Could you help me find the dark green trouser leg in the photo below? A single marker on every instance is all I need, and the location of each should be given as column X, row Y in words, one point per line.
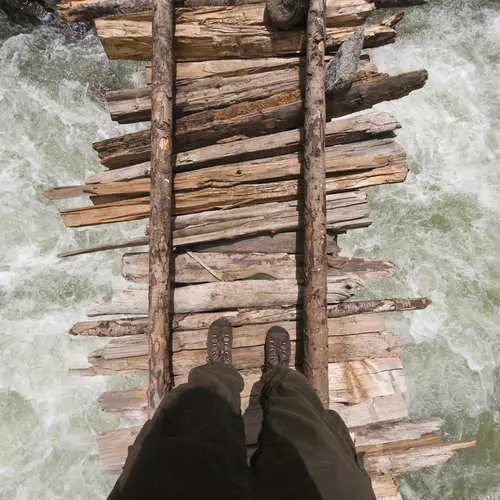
column 194, row 446
column 304, row 452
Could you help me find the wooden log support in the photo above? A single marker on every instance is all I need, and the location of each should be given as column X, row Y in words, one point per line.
column 276, row 114
column 315, row 338
column 161, row 203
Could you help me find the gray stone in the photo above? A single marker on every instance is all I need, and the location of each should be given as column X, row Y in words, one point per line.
column 341, row 70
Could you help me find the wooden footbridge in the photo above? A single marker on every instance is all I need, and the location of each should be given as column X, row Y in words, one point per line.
column 245, row 215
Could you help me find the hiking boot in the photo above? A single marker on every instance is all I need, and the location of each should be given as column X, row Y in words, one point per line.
column 277, row 348
column 220, row 342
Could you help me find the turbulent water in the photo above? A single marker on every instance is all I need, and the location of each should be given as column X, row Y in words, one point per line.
column 440, row 227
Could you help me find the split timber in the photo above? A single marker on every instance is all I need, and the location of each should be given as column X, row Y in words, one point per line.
column 238, row 190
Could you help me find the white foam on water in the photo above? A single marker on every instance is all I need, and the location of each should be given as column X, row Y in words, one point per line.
column 50, row 112
column 441, row 229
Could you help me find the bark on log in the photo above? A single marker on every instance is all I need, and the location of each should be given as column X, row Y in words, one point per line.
column 315, row 337
column 201, row 94
column 208, row 267
column 123, row 39
column 161, row 203
column 281, row 112
column 226, row 295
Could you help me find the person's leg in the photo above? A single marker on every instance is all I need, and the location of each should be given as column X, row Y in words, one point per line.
column 304, row 451
column 194, row 446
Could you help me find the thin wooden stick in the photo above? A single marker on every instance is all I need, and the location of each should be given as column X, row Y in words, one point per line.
column 315, row 256
column 162, row 166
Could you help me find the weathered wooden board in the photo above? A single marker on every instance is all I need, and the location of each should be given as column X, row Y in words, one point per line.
column 127, row 355
column 340, row 131
column 377, row 377
column 338, row 12
column 275, row 114
column 347, row 159
column 344, row 210
column 113, row 448
column 221, row 90
column 193, row 267
column 222, row 198
column 201, row 321
column 222, row 295
column 130, row 39
column 418, row 454
column 378, row 409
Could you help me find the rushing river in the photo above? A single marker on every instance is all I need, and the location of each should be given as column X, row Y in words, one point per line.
column 440, row 228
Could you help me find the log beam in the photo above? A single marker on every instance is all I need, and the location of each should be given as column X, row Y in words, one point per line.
column 161, row 203
column 315, row 337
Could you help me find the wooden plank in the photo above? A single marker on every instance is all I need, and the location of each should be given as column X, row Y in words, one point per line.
column 124, row 402
column 242, row 195
column 113, row 446
column 124, row 39
column 340, row 159
column 338, row 13
column 221, row 90
column 207, row 267
column 136, row 326
column 347, row 325
column 418, row 454
column 340, row 131
column 278, row 113
column 344, row 211
column 226, row 295
column 378, row 409
column 125, row 355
